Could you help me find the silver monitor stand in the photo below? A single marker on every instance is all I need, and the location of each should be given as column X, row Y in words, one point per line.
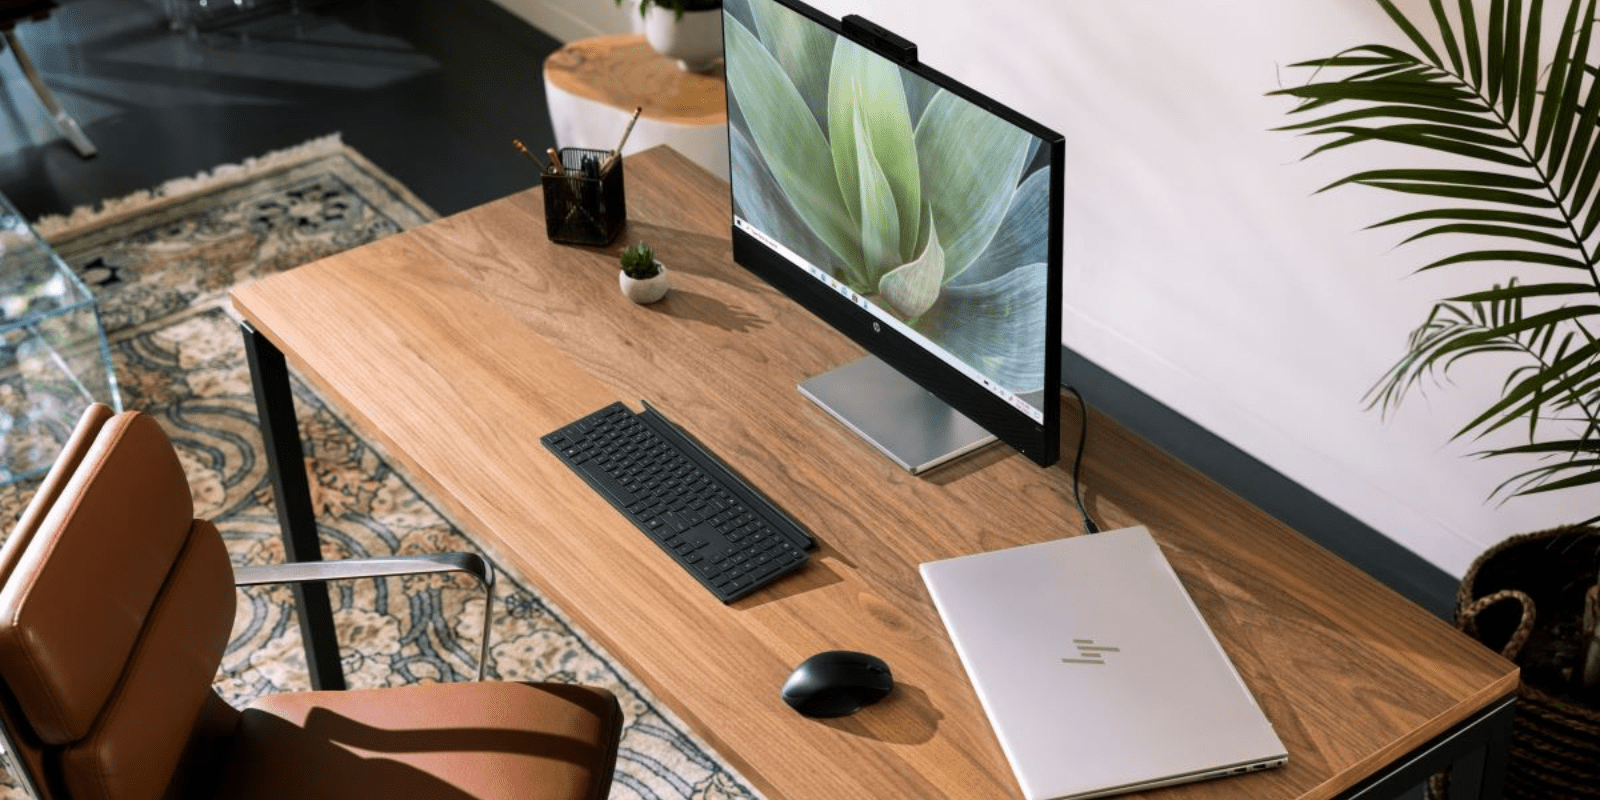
column 903, row 420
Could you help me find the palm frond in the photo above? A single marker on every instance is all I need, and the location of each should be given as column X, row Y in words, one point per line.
column 1526, row 191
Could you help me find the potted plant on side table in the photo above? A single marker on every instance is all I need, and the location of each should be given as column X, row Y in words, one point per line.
column 643, row 278
column 1522, row 195
column 689, row 31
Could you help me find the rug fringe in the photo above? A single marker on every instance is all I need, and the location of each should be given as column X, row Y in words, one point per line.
column 56, row 227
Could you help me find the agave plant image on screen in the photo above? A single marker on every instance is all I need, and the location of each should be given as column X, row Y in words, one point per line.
column 914, row 199
column 1513, row 172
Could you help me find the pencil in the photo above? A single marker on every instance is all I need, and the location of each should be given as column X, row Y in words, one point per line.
column 628, row 130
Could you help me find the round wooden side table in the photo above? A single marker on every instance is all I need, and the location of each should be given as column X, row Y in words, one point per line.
column 593, row 86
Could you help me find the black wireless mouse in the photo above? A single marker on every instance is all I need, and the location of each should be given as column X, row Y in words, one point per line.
column 837, row 682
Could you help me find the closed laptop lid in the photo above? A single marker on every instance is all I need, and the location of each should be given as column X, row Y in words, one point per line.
column 1096, row 670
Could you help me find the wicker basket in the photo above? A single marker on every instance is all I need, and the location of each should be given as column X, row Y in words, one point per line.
column 1531, row 588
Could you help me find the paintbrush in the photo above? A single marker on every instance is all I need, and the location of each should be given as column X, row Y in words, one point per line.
column 617, row 152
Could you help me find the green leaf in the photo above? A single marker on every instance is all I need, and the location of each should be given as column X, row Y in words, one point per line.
column 1495, row 62
column 1483, row 194
column 1357, row 135
column 1469, row 31
column 1448, row 98
column 1456, row 119
column 864, row 83
column 880, row 219
column 1449, row 36
column 802, row 47
column 758, row 198
column 1455, row 177
column 789, row 140
column 1018, row 241
column 1559, row 446
column 996, row 326
column 1524, row 399
column 1583, row 191
column 1477, row 214
column 911, row 290
column 1339, row 61
column 1518, row 292
column 1586, row 479
column 971, row 164
column 1555, row 84
column 1583, row 129
column 1566, row 117
column 1525, row 257
column 1486, row 195
column 1422, row 132
column 1501, row 231
column 1511, row 72
column 1411, row 32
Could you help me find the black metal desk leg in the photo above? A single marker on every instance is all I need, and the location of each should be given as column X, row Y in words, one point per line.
column 1484, row 777
column 1475, row 751
column 292, row 491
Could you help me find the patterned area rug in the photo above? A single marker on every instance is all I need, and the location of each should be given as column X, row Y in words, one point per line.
column 162, row 266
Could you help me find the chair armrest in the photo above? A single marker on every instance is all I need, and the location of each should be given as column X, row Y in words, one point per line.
column 381, row 567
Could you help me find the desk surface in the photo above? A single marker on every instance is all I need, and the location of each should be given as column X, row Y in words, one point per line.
column 457, row 344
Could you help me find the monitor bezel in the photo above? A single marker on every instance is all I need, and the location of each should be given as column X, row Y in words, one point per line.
column 1039, row 441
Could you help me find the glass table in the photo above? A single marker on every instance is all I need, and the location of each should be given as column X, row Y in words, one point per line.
column 54, row 360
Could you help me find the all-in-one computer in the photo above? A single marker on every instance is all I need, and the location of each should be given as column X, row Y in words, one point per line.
column 911, row 213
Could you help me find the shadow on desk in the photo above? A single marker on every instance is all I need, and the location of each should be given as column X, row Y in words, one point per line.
column 814, row 575
column 906, row 716
column 696, row 307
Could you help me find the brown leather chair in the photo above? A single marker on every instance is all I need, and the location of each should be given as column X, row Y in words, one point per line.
column 115, row 608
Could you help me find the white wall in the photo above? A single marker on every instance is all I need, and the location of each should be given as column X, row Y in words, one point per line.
column 567, row 20
column 1201, row 269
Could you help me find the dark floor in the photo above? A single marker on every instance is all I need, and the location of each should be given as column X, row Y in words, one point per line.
column 433, row 92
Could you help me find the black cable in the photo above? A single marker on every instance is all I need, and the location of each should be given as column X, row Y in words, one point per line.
column 1077, row 460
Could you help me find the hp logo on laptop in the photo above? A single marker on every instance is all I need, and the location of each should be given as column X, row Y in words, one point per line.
column 1090, row 653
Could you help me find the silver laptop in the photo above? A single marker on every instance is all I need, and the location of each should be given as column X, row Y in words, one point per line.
column 1097, row 672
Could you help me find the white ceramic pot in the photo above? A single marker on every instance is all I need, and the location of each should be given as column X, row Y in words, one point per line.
column 647, row 290
column 695, row 40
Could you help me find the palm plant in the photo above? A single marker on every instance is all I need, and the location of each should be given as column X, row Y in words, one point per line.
column 915, row 199
column 1525, row 192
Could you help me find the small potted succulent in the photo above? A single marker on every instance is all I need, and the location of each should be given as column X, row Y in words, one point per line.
column 643, row 279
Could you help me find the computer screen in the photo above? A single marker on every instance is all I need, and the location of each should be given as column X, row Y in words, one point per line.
column 908, row 211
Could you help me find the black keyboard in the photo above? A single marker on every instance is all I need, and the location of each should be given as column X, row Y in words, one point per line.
column 686, row 500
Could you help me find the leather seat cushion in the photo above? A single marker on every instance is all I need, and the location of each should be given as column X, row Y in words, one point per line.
column 443, row 740
column 134, row 748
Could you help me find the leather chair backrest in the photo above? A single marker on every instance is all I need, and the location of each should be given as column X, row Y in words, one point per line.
column 114, row 616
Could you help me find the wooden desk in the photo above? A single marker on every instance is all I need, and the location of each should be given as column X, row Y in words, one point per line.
column 456, row 345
